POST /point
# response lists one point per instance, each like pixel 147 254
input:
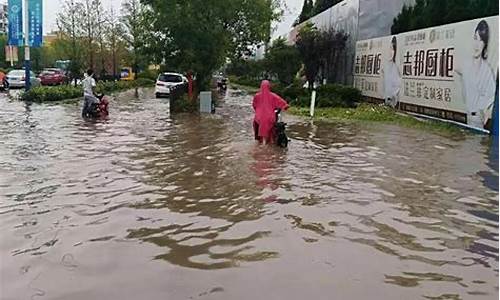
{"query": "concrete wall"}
pixel 361 19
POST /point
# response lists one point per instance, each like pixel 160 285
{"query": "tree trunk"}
pixel 114 62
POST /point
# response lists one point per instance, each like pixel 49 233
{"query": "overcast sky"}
pixel 52 7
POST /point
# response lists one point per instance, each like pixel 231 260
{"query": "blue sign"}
pixel 15 22
pixel 35 24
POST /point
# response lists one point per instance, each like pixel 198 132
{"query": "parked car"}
pixel 16 79
pixel 167 81
pixel 53 77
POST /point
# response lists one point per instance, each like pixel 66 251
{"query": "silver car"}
pixel 16 79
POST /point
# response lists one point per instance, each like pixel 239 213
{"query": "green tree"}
pixel 331 45
pixel 283 60
pixel 3 43
pixel 69 22
pixel 306 13
pixel 308 45
pixel 429 13
pixel 137 24
pixel 322 5
pixel 199 35
pixel 114 34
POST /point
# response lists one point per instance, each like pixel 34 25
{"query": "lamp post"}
pixel 27 61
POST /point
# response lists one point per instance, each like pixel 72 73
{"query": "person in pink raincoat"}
pixel 264 104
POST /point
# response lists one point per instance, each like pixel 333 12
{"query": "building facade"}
pixel 3 18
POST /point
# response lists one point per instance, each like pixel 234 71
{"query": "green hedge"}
pixel 148 74
pixel 63 92
pixel 292 93
pixel 336 95
pixel 182 104
pixel 329 95
pixel 49 93
pixel 245 80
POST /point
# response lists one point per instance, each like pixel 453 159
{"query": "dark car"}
pixel 53 77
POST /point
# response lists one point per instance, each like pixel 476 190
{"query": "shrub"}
pixel 336 95
pixel 44 93
pixel 148 74
pixel 292 93
pixel 245 80
pixel 145 82
pixel 116 86
pixel 182 104
pixel 63 92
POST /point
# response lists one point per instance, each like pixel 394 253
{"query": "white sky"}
pixel 52 7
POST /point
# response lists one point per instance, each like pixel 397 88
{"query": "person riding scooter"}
pixel 222 84
pixel 95 106
pixel 89 95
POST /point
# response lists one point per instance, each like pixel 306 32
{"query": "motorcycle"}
pixel 280 130
pixel 222 85
pixel 99 110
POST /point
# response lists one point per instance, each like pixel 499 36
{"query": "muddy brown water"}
pixel 147 205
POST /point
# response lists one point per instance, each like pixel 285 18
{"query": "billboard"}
pixel 15 16
pixel 35 23
pixel 447 72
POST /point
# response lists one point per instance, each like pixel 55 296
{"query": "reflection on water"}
pixel 148 205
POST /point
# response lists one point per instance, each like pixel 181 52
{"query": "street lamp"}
pixel 27 62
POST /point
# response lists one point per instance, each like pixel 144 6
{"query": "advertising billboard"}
pixel 447 72
pixel 15 16
pixel 35 23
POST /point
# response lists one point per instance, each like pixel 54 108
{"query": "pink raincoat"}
pixel 264 104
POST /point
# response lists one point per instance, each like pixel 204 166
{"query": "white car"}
pixel 167 81
pixel 16 79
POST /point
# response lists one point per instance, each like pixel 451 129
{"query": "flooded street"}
pixel 147 205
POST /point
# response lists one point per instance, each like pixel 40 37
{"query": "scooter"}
pixel 99 110
pixel 280 130
pixel 222 85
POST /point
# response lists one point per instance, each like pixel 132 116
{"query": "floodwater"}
pixel 147 205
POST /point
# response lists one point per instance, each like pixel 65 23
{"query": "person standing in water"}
pixel 88 93
pixel 265 103
pixel 478 80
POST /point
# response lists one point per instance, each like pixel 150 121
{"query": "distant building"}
pixel 50 37
pixel 3 18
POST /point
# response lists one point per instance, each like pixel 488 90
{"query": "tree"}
pixel 283 61
pixel 92 21
pixel 113 35
pixel 306 13
pixel 69 22
pixel 102 23
pixel 3 43
pixel 135 20
pixel 308 46
pixel 430 13
pixel 199 35
pixel 322 5
pixel 330 46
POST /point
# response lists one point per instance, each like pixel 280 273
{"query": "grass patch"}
pixel 379 113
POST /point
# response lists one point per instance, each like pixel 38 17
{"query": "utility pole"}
pixel 27 62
